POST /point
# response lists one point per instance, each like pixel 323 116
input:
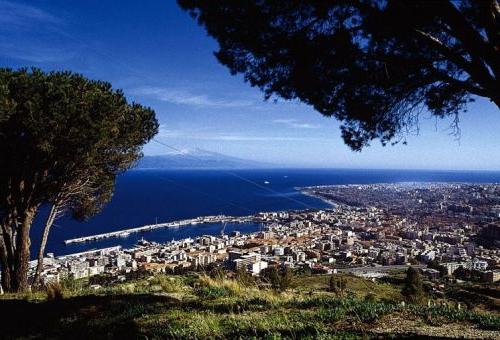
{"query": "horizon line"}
pixel 287 167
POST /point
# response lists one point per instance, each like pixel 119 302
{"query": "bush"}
pixel 279 279
pixel 213 292
pixel 244 278
pixel 72 285
pixel 54 291
pixel 286 279
pixel 217 273
pixel 370 297
pixel 214 288
pixel 413 289
pixel 271 276
pixel 102 280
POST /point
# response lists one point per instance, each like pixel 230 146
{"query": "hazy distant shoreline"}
pixel 303 191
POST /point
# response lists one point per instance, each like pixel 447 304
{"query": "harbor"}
pixel 173 224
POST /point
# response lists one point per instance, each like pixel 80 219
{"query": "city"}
pixel 197 169
pixel 370 229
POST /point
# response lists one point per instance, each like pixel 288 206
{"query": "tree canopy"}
pixel 374 65
pixel 413 289
pixel 63 140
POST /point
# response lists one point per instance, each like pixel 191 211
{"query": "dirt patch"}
pixel 404 324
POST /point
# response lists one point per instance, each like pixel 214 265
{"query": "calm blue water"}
pixel 142 196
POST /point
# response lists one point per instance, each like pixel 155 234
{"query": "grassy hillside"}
pixel 199 307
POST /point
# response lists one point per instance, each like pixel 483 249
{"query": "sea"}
pixel 148 196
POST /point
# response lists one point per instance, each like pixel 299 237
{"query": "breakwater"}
pixel 174 224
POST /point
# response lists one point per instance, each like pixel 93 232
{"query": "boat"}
pixel 124 234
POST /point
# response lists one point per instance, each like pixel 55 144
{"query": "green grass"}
pixel 200 307
pixel 359 286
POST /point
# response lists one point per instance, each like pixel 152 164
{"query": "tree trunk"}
pixel 22 255
pixel 6 252
pixel 5 267
pixel 48 224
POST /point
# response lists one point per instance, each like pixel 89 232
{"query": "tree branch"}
pixel 54 210
pixel 475 43
pixel 475 72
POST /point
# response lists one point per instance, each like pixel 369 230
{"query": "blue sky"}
pixel 161 58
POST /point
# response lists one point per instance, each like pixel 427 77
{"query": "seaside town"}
pixel 196 169
pixel 446 230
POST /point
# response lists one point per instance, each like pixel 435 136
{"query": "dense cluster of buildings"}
pixel 371 226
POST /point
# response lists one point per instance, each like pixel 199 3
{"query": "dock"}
pixel 173 224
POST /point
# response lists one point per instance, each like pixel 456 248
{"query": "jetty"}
pixel 173 224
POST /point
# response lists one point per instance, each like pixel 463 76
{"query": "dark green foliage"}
pixel 244 278
pixel 102 279
pixel 286 279
pixel 213 292
pixel 271 276
pixel 62 127
pixel 305 271
pixel 71 284
pixel 435 265
pixel 467 274
pixel 279 279
pixel 370 297
pixel 331 314
pixel 63 141
pixel 372 64
pixel 413 289
pixel 138 274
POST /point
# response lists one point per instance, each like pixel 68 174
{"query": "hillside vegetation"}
pixel 198 306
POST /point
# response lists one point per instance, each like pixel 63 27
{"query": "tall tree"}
pixel 63 140
pixel 413 289
pixel 374 65
pixel 76 197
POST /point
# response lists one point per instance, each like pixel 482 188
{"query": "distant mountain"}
pixel 198 159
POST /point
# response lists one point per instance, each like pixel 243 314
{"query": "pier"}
pixel 173 224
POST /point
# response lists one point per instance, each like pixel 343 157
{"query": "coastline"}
pixel 142 195
pixel 303 191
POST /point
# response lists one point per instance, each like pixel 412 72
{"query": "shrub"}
pixel 244 278
pixel 279 279
pixel 54 291
pixel 71 285
pixel 413 289
pixel 211 292
pixel 217 273
pixel 286 279
pixel 370 297
pixel 214 288
pixel 271 276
